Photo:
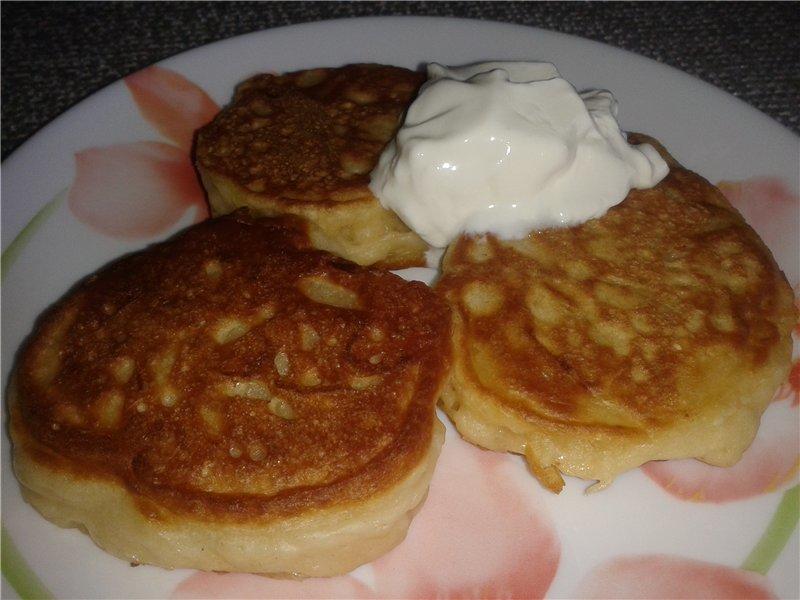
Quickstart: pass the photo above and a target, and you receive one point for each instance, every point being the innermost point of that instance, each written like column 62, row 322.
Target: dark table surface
column 55, row 54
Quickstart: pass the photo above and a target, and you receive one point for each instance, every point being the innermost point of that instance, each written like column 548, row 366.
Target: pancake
column 304, row 144
column 231, row 400
column 660, row 330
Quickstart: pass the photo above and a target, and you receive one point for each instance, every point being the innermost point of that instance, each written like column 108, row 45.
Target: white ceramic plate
column 487, row 528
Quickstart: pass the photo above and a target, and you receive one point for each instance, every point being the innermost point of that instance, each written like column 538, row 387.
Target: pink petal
column 794, row 383
column 479, row 534
column 773, row 211
column 134, row 190
column 171, row 103
column 237, row 585
column 770, row 463
column 661, row 576
column 790, row 389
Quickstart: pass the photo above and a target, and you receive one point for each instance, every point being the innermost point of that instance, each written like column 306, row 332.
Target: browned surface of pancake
column 304, row 143
column 231, row 375
column 660, row 330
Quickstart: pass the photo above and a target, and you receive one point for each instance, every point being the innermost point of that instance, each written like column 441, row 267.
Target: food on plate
column 304, row 143
column 659, row 330
column 240, row 399
column 508, row 147
column 233, row 400
column 600, row 322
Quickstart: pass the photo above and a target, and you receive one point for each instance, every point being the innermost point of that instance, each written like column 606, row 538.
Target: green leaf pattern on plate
column 11, row 253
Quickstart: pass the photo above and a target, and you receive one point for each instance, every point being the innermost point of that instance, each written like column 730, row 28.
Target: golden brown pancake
column 231, row 400
column 660, row 330
column 304, row 144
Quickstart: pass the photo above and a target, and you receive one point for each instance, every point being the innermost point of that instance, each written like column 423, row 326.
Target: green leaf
column 778, row 532
column 18, row 573
column 11, row 253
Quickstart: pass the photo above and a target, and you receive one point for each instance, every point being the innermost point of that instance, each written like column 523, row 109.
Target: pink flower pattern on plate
column 668, row 577
column 175, row 106
column 768, row 465
column 138, row 190
column 480, row 534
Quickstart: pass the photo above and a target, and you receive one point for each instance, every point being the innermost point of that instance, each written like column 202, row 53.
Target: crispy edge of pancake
column 319, row 542
column 360, row 229
column 718, row 435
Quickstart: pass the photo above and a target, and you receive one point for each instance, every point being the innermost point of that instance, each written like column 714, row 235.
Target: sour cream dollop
column 506, row 148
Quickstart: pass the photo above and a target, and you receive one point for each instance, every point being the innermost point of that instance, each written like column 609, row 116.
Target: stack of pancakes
column 239, row 398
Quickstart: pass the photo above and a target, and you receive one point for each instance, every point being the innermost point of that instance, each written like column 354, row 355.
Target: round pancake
column 231, row 400
column 304, row 144
column 660, row 330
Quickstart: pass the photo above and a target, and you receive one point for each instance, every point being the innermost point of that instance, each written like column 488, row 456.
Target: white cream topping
column 506, row 148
